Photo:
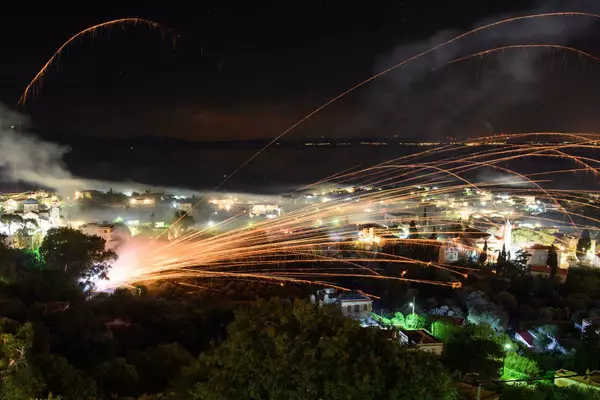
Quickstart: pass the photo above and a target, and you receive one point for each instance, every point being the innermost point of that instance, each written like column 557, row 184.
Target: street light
column 507, row 347
column 411, row 304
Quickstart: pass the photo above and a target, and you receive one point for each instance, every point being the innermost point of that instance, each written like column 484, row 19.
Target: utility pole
column 478, row 392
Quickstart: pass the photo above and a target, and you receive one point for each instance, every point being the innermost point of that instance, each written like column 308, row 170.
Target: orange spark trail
column 408, row 60
column 38, row 78
column 523, row 46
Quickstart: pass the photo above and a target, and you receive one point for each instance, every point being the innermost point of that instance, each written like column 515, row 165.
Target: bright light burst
column 312, row 245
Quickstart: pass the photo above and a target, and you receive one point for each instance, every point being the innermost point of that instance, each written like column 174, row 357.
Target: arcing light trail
column 400, row 64
column 419, row 55
column 37, row 80
column 311, row 245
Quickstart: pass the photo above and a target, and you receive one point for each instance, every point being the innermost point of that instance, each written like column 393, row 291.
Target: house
column 455, row 249
column 355, row 305
column 525, row 337
column 421, row 340
column 31, row 205
column 371, row 233
column 183, row 206
column 538, row 262
column 564, row 377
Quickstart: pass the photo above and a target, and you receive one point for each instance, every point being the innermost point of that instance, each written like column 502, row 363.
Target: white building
column 30, row 205
column 113, row 234
column 355, row 305
column 538, row 262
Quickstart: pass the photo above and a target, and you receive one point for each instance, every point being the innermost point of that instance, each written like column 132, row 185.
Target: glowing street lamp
column 507, row 347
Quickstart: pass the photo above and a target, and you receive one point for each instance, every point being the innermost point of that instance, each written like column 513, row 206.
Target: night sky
column 242, row 70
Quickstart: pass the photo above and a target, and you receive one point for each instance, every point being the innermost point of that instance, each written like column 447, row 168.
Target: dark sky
column 244, row 70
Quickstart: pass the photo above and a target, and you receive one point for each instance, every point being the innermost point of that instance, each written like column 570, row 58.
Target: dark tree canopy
column 299, row 351
column 552, row 261
column 583, row 245
column 81, row 257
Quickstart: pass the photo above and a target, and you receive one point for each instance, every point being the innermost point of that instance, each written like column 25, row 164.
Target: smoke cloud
column 24, row 157
column 428, row 99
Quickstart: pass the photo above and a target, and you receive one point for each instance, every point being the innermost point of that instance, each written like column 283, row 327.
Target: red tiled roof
column 419, row 336
column 527, row 337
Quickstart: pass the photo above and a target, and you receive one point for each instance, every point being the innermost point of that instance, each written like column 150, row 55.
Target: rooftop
column 527, row 337
column 420, row 337
column 354, row 296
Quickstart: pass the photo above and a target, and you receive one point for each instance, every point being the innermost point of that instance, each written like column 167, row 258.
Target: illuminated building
column 268, row 210
column 421, row 340
column 145, row 202
column 183, row 206
column 355, row 305
column 113, row 234
column 538, row 262
column 30, row 205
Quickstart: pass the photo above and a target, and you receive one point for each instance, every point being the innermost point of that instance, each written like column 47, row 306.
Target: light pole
column 507, row 347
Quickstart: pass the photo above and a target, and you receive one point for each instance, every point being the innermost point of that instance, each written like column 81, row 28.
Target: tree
column 414, row 321
column 81, row 257
column 522, row 365
column 11, row 220
column 444, row 331
column 7, row 262
column 299, row 351
column 485, row 316
column 63, row 379
column 507, row 300
column 524, row 237
column 552, row 261
column 413, row 232
column 587, row 355
column 483, row 255
column 502, row 257
column 157, row 366
column 117, row 378
column 20, row 380
column 433, row 234
column 398, row 320
column 469, row 354
column 521, row 259
column 583, row 245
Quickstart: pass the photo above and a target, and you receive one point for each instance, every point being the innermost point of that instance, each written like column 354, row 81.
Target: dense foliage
column 278, row 350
